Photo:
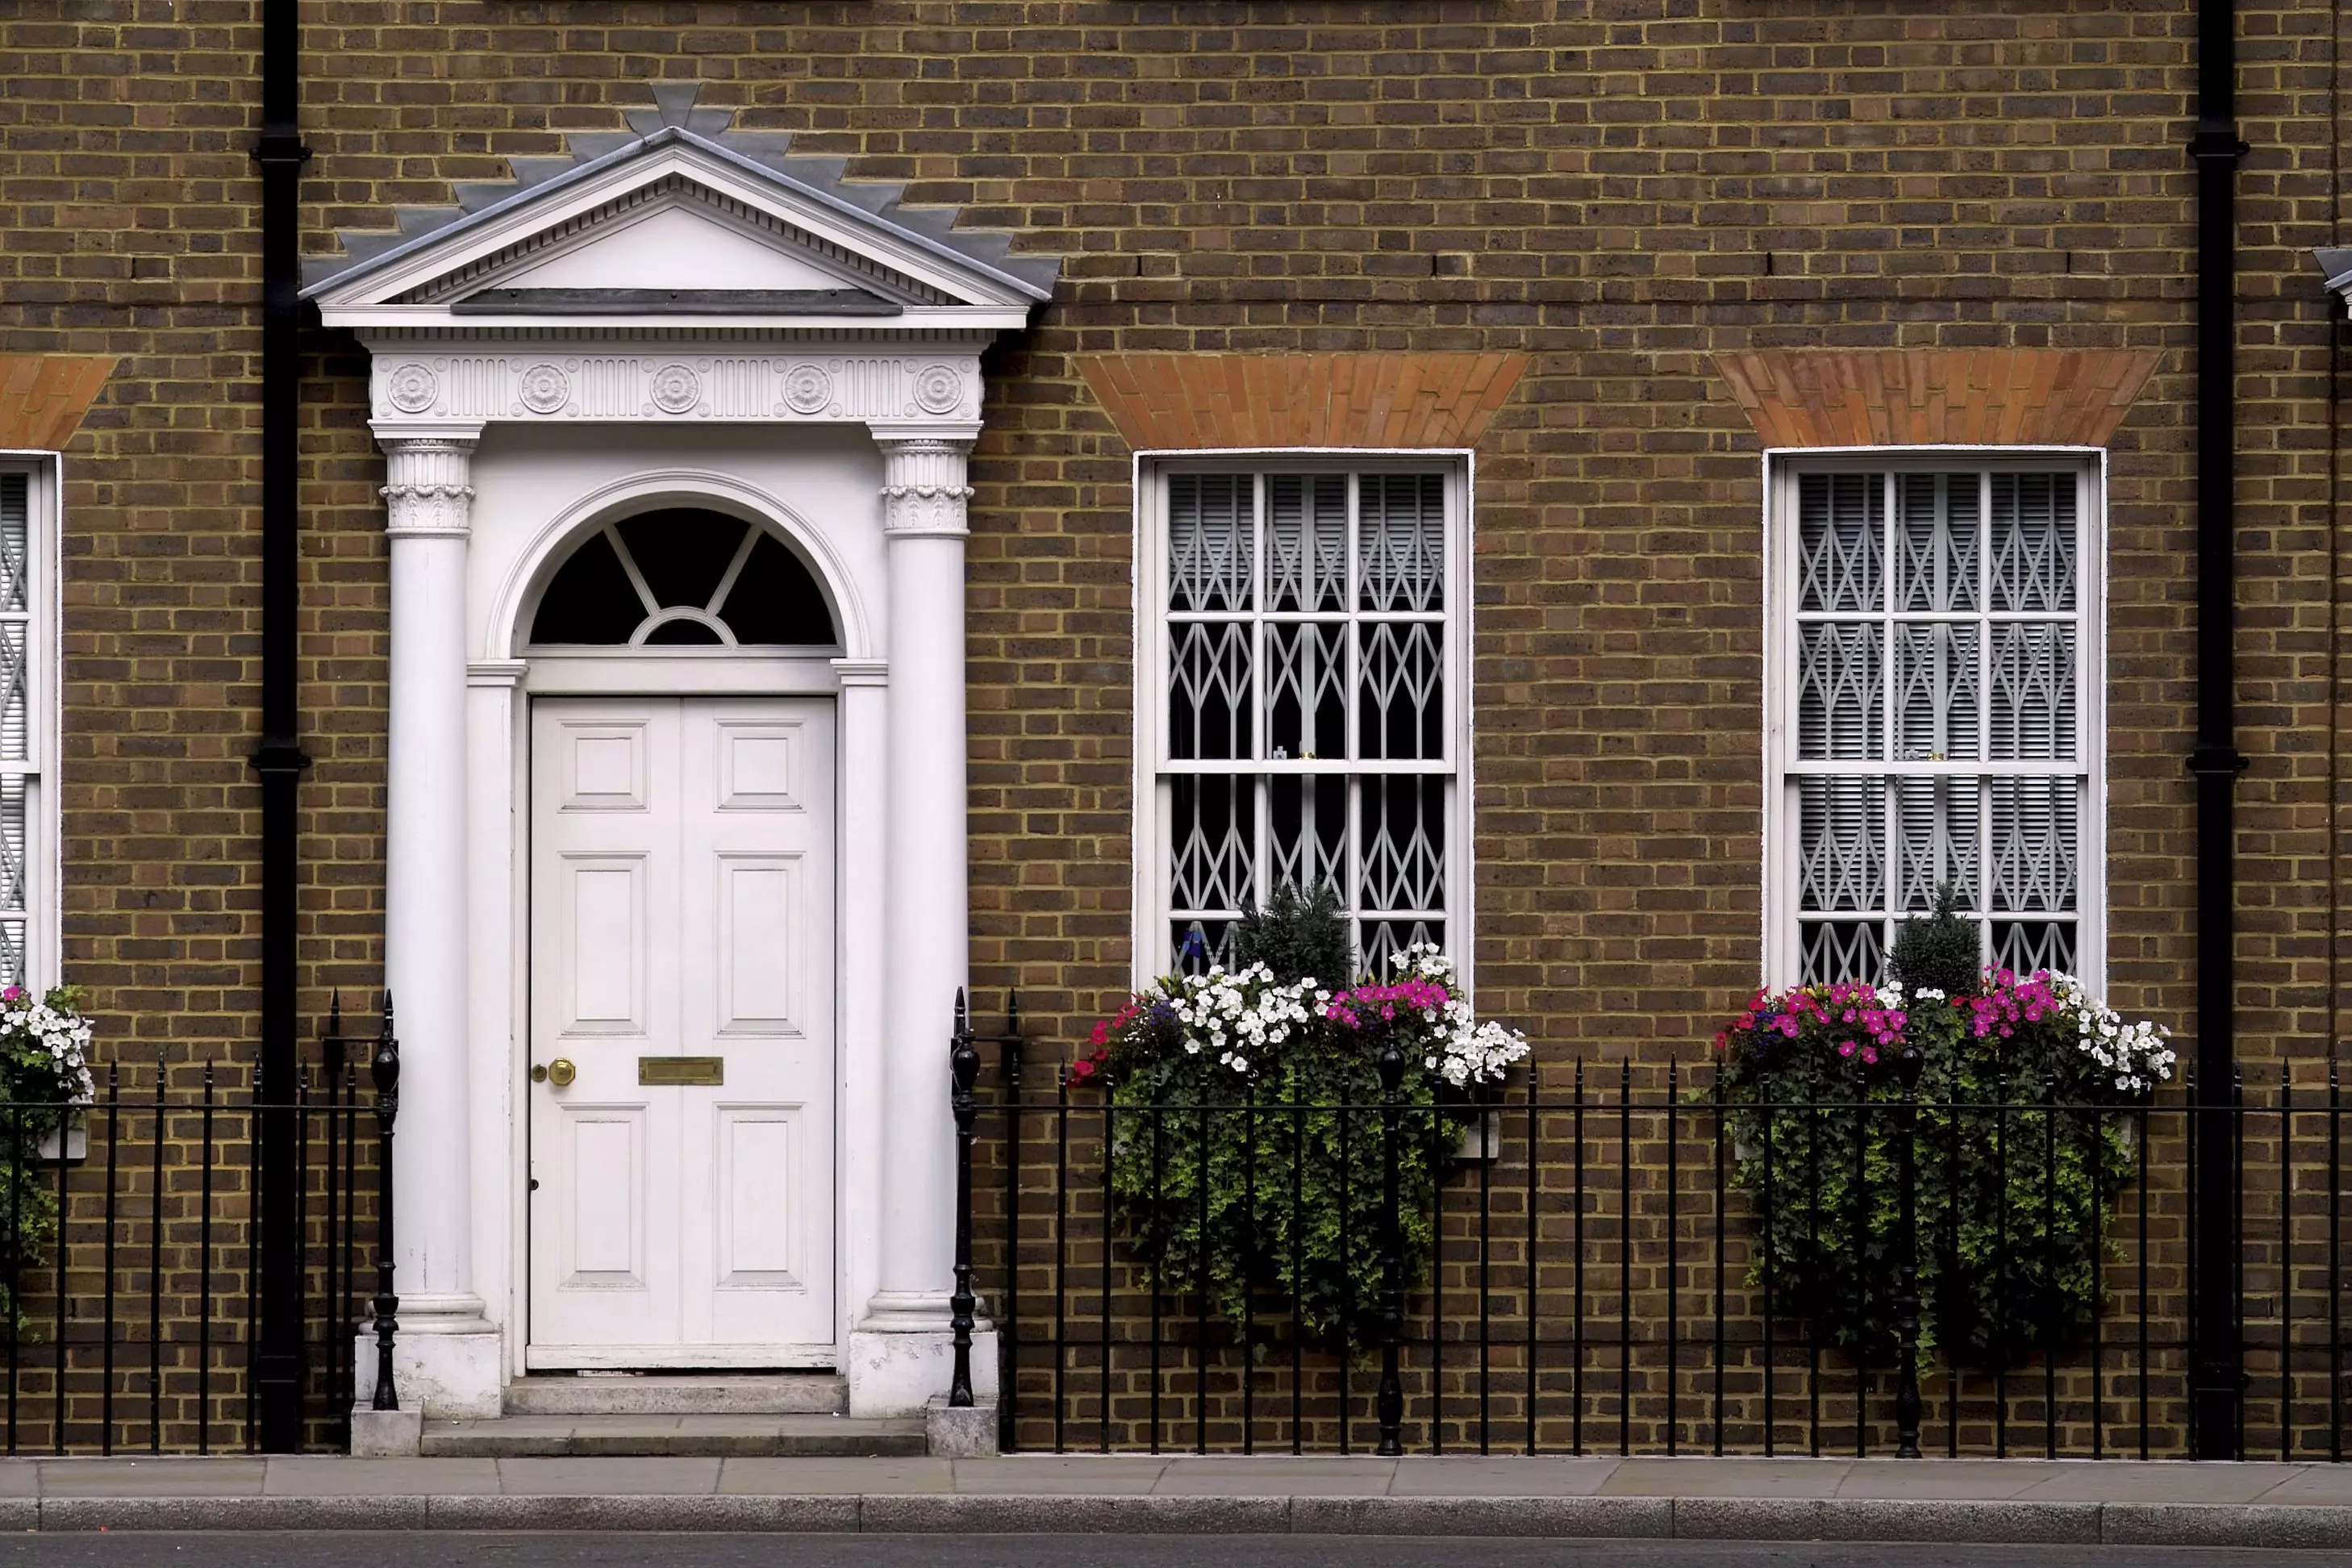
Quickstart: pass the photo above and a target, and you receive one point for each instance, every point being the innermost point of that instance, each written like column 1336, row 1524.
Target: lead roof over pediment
column 681, row 222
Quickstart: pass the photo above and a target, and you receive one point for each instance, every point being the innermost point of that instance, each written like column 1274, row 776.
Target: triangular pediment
column 681, row 221
column 671, row 244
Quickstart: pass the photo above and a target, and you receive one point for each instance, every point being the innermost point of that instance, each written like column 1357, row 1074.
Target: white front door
column 682, row 962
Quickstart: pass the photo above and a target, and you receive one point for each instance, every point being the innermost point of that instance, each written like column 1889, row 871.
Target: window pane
column 1832, row 951
column 16, row 716
column 1838, row 529
column 1935, row 542
column 1306, row 690
column 1305, row 625
column 1209, row 713
column 16, row 533
column 1307, row 541
column 2035, row 822
column 1936, row 702
column 1198, row 944
column 1402, row 542
column 590, row 600
column 1381, row 939
column 1404, row 843
column 775, row 600
column 1209, row 545
column 1213, row 843
column 1401, row 699
column 1838, row 691
column 2033, row 544
column 1308, row 831
column 1841, row 843
column 1941, row 822
column 683, row 552
column 2033, row 690
column 2024, row 946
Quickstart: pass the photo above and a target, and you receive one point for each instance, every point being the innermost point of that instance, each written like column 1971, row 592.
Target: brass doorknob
column 558, row 1072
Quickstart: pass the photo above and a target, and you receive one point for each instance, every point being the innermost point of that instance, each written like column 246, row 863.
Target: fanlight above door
column 683, row 577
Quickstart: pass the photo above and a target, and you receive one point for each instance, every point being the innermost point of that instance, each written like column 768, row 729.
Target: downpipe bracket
column 2208, row 761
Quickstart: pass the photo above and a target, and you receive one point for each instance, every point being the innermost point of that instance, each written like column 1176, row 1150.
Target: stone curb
column 1976, row 1520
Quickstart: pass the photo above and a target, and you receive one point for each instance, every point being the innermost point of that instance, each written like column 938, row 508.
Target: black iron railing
column 132, row 1244
column 1601, row 1279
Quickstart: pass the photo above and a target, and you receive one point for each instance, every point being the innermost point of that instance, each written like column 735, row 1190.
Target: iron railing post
column 1907, row 1276
column 1391, row 1394
column 963, row 1067
column 1008, row 1348
column 385, row 1071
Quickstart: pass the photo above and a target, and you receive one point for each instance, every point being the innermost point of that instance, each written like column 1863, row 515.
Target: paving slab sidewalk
column 2078, row 1502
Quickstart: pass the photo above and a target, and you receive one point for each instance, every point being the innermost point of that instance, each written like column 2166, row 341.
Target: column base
column 898, row 1372
column 447, row 1360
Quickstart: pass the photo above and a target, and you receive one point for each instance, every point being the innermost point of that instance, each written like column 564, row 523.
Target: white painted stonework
column 834, row 405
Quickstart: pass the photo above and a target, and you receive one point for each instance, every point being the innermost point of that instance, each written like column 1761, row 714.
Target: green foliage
column 1297, row 935
column 2022, row 1143
column 1252, row 1127
column 1293, row 1187
column 1936, row 951
column 2015, row 1185
column 44, row 1074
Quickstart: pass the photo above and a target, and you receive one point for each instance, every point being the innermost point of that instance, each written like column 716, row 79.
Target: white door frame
column 855, row 686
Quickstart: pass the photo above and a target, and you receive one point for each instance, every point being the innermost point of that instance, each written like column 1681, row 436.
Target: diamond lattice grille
column 1307, row 658
column 1935, row 712
column 18, row 716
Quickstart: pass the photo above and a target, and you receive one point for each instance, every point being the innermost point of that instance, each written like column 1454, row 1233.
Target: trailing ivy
column 1249, row 1127
column 2025, row 1136
column 44, row 1074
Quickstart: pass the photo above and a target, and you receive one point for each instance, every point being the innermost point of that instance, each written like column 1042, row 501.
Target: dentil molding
column 683, row 383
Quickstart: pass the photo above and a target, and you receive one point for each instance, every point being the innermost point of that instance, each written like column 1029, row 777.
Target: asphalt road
column 345, row 1549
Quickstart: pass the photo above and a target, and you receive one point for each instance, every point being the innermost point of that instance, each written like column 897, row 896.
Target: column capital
column 863, row 671
column 428, row 468
column 923, row 471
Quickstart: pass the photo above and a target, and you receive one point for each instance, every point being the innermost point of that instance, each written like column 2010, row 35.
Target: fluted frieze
column 553, row 382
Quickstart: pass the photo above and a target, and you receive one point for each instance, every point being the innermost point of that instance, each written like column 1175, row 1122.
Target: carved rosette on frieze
column 428, row 487
column 411, row 387
column 923, row 488
column 558, row 381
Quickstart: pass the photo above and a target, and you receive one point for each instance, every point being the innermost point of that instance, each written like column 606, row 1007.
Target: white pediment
column 686, row 226
column 677, row 244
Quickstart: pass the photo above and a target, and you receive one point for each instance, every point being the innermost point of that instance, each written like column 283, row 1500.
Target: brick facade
column 1649, row 203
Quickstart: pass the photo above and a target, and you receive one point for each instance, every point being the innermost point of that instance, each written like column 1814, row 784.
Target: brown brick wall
column 1622, row 198
column 1619, row 192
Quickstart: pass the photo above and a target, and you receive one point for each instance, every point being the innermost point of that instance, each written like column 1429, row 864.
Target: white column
column 449, row 1361
column 900, row 1357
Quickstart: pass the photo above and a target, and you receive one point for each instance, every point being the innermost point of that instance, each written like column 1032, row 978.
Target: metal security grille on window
column 16, row 723
column 1306, row 738
column 1938, row 742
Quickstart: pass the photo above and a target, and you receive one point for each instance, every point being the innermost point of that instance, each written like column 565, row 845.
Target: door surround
column 502, row 695
column 839, row 367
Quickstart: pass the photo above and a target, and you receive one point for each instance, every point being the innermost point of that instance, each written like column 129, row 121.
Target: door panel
column 683, row 896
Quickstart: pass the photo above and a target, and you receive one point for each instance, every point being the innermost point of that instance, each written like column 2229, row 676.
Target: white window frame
column 44, row 691
column 1782, row 951
column 1152, row 946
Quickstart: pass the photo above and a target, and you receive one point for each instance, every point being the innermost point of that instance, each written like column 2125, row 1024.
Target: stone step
column 771, row 1393
column 672, row 1436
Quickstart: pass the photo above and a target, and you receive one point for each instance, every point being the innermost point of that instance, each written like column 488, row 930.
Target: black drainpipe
column 2217, row 1351
column 276, row 1367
